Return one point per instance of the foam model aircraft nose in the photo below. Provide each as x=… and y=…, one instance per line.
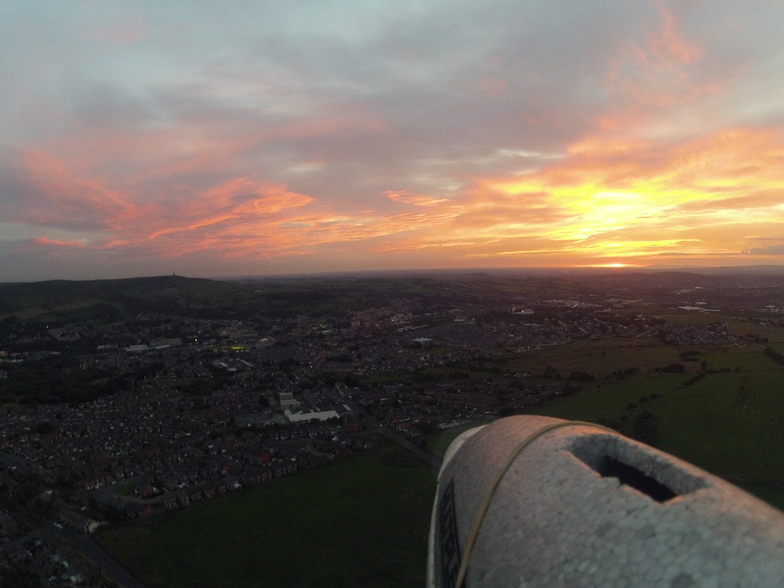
x=534, y=501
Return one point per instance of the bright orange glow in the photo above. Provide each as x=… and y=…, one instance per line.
x=640, y=199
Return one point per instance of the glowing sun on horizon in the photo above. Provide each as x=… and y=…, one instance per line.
x=611, y=265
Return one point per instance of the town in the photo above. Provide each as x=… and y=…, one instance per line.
x=137, y=414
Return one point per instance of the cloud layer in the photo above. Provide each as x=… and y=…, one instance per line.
x=262, y=137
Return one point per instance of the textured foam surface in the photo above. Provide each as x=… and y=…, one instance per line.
x=584, y=507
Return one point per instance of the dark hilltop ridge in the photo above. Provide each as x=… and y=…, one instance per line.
x=178, y=292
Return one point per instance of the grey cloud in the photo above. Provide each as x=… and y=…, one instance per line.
x=769, y=250
x=106, y=107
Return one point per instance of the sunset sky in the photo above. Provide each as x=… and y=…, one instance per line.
x=268, y=137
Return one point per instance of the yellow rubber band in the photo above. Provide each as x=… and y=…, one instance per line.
x=480, y=515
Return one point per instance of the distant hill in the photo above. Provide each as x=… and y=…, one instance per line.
x=59, y=300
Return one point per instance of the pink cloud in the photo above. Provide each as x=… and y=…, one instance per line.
x=668, y=44
x=71, y=244
x=655, y=76
x=43, y=191
x=239, y=205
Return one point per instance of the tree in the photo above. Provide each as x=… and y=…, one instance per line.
x=644, y=429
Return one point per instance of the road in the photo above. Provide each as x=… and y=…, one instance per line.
x=110, y=567
x=428, y=457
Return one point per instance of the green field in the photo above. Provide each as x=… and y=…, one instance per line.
x=363, y=521
x=745, y=327
x=729, y=423
x=609, y=402
x=740, y=360
x=684, y=317
x=779, y=347
x=438, y=443
x=126, y=488
x=598, y=357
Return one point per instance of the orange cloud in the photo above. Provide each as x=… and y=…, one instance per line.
x=237, y=217
x=604, y=194
x=609, y=200
x=407, y=197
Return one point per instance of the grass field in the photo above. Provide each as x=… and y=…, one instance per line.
x=744, y=327
x=360, y=522
x=779, y=347
x=438, y=443
x=126, y=489
x=740, y=360
x=729, y=423
x=609, y=402
x=685, y=317
x=600, y=357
